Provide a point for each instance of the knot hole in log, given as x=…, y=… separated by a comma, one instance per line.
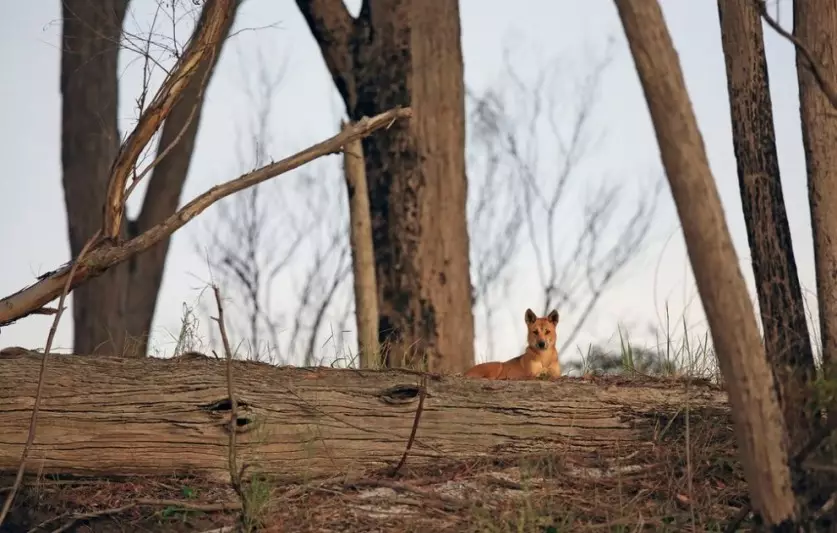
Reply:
x=400, y=394
x=244, y=420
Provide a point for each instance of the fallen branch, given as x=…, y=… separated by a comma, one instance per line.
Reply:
x=235, y=473
x=107, y=255
x=412, y=438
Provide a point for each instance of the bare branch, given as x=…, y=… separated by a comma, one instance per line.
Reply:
x=202, y=47
x=106, y=256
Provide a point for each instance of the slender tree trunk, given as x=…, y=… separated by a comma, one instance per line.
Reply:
x=756, y=413
x=113, y=313
x=786, y=339
x=363, y=255
x=399, y=52
x=815, y=25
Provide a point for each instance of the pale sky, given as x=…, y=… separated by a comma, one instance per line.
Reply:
x=33, y=231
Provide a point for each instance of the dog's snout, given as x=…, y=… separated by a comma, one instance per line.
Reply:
x=541, y=344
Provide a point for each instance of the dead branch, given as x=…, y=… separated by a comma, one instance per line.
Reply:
x=419, y=409
x=235, y=473
x=203, y=45
x=105, y=256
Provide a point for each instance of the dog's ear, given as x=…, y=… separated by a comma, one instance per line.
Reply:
x=553, y=317
x=530, y=316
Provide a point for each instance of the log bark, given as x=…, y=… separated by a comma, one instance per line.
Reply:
x=107, y=416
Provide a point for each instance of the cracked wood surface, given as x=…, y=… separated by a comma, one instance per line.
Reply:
x=105, y=416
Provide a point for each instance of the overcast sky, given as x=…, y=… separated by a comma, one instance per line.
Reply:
x=33, y=231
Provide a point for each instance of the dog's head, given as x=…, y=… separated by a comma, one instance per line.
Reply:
x=543, y=331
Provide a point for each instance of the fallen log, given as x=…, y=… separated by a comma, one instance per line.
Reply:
x=108, y=417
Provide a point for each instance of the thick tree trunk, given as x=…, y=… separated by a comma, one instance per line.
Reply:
x=755, y=409
x=113, y=314
x=407, y=53
x=786, y=339
x=363, y=255
x=104, y=416
x=89, y=143
x=815, y=25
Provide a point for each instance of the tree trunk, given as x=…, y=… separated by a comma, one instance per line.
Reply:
x=89, y=143
x=113, y=314
x=815, y=25
x=104, y=416
x=363, y=255
x=755, y=409
x=787, y=342
x=399, y=52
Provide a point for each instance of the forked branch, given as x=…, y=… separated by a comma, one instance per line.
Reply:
x=107, y=255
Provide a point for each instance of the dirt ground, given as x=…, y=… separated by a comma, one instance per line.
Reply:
x=665, y=489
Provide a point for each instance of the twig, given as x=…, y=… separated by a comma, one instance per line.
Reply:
x=817, y=69
x=419, y=410
x=103, y=258
x=33, y=422
x=235, y=475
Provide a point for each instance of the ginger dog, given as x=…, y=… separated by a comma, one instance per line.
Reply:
x=540, y=355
